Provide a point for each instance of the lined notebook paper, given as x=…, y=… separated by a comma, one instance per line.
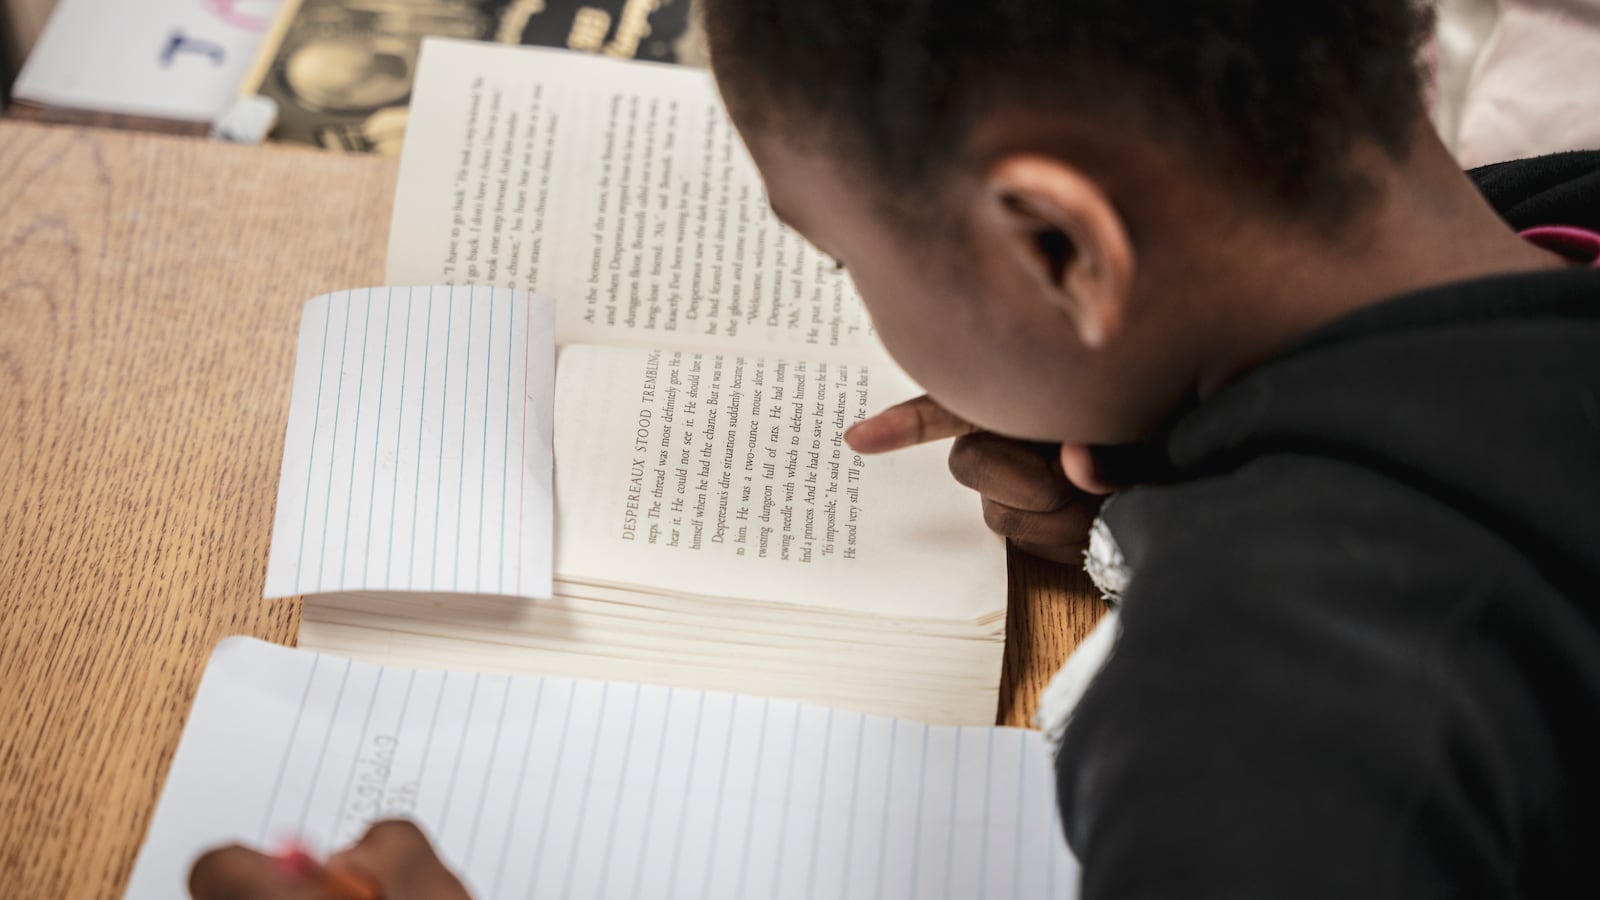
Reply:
x=418, y=450
x=549, y=788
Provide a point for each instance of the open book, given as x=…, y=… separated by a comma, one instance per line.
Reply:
x=550, y=787
x=711, y=529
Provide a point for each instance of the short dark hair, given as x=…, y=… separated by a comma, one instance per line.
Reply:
x=1271, y=94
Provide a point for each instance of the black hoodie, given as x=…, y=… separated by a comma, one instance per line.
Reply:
x=1360, y=653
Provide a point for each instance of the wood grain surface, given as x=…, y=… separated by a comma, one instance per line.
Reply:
x=150, y=291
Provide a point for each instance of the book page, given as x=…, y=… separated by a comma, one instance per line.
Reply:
x=619, y=188
x=417, y=451
x=724, y=475
x=550, y=787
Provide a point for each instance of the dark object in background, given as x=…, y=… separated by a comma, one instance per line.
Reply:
x=342, y=74
x=1559, y=189
x=10, y=58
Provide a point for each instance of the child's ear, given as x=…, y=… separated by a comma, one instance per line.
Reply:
x=1057, y=224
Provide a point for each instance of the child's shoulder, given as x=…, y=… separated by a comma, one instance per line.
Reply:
x=1430, y=439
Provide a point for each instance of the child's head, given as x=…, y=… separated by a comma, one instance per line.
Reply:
x=1030, y=194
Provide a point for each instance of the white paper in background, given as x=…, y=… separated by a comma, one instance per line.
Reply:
x=548, y=787
x=167, y=59
x=417, y=455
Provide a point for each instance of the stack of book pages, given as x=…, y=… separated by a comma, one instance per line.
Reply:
x=607, y=441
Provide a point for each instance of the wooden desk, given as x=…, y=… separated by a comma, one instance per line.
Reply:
x=150, y=292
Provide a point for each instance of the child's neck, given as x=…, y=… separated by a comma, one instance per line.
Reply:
x=1431, y=228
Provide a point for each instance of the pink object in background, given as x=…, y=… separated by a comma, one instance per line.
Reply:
x=1578, y=244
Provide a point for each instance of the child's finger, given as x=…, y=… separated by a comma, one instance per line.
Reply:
x=1014, y=473
x=915, y=421
x=239, y=873
x=1085, y=472
x=1059, y=536
x=396, y=856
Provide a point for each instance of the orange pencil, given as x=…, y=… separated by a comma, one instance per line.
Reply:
x=334, y=883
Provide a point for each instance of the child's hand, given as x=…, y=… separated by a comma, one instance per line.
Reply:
x=393, y=857
x=1027, y=496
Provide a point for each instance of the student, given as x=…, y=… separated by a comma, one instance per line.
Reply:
x=1215, y=250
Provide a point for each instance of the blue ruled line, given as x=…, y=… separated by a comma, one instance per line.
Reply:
x=322, y=755
x=650, y=801
x=483, y=464
x=1053, y=814
x=505, y=446
x=716, y=807
x=616, y=803
x=555, y=778
x=422, y=418
x=355, y=443
x=461, y=459
x=950, y=835
x=916, y=839
x=399, y=731
x=377, y=439
x=488, y=773
x=399, y=426
x=288, y=749
x=822, y=793
x=583, y=796
x=755, y=783
x=688, y=791
x=983, y=833
x=333, y=448
x=516, y=793
x=1022, y=796
x=888, y=794
x=355, y=759
x=783, y=821
x=850, y=828
x=461, y=745
x=433, y=724
x=311, y=458
x=444, y=403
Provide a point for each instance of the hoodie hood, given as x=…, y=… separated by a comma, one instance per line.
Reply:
x=1485, y=396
